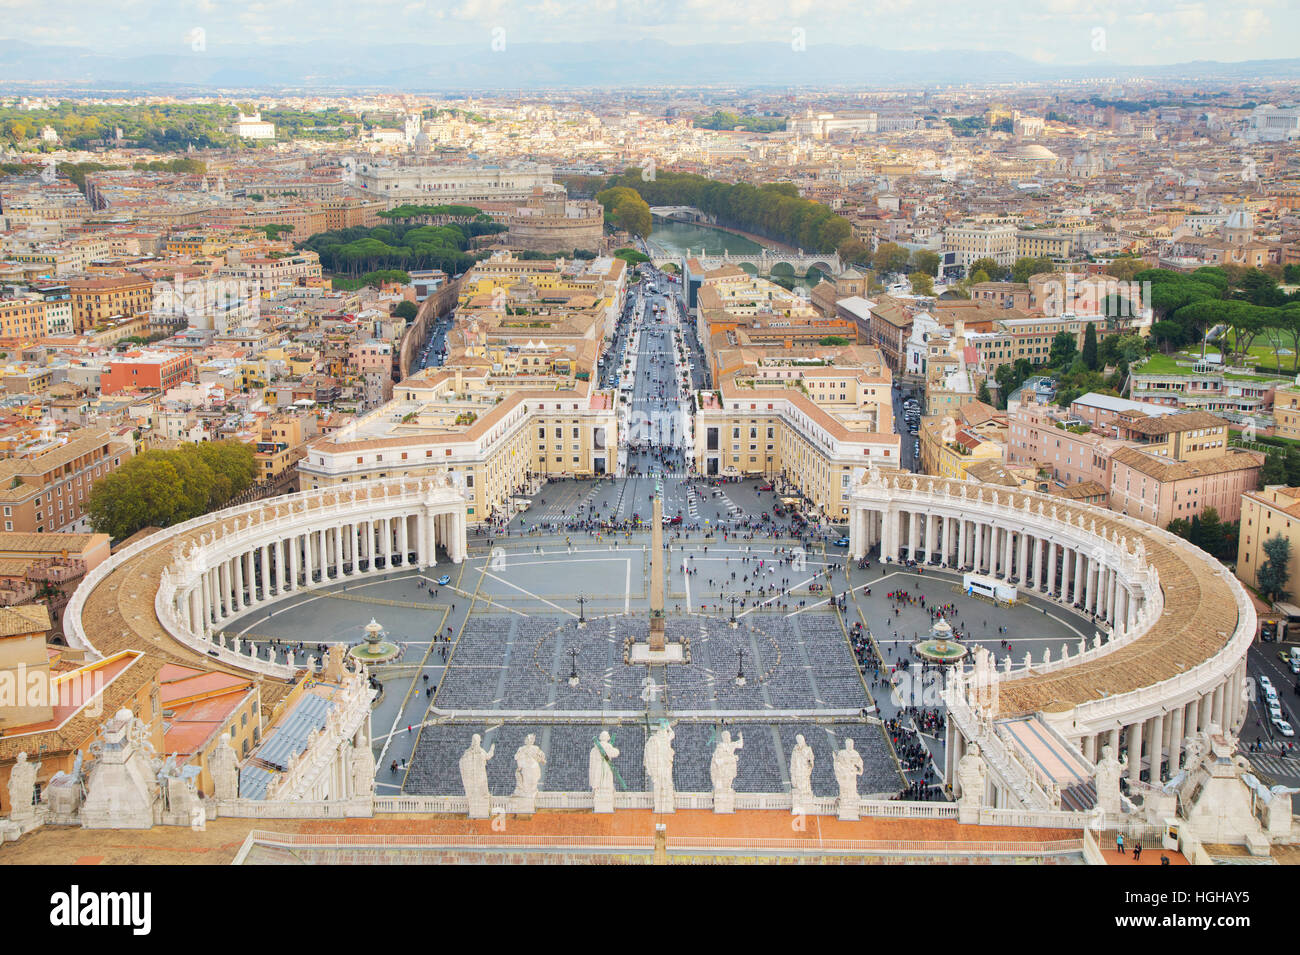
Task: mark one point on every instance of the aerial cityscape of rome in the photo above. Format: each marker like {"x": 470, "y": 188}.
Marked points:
{"x": 650, "y": 432}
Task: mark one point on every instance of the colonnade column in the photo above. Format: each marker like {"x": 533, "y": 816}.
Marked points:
{"x": 1155, "y": 747}
{"x": 1051, "y": 567}
{"x": 1176, "y": 740}
{"x": 1135, "y": 753}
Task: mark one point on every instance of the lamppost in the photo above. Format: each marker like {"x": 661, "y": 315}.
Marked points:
{"x": 582, "y": 621}
{"x": 740, "y": 672}
{"x": 733, "y": 612}
{"x": 573, "y": 667}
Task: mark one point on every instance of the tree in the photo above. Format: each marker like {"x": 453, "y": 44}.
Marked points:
{"x": 984, "y": 395}
{"x": 832, "y": 340}
{"x": 406, "y": 310}
{"x": 1273, "y": 574}
{"x": 1273, "y": 472}
{"x": 1026, "y": 266}
{"x": 161, "y": 488}
{"x": 989, "y": 267}
{"x": 889, "y": 257}
{"x": 625, "y": 210}
{"x": 1090, "y": 359}
{"x": 854, "y": 252}
{"x": 1064, "y": 348}
{"x": 1212, "y": 529}
{"x": 1125, "y": 268}
{"x": 923, "y": 260}
{"x": 922, "y": 283}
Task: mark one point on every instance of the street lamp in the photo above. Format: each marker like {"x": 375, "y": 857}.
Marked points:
{"x": 733, "y": 612}
{"x": 573, "y": 668}
{"x": 740, "y": 672}
{"x": 582, "y": 621}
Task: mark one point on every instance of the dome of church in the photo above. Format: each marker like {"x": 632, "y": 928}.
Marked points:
{"x": 1240, "y": 219}
{"x": 1032, "y": 152}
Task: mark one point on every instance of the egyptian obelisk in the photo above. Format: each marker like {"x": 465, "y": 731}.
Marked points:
{"x": 656, "y": 638}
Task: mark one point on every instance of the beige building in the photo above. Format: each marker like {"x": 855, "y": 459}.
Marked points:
{"x": 810, "y": 422}
{"x": 492, "y": 434}
{"x": 1272, "y": 512}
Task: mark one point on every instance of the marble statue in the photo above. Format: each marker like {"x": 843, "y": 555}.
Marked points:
{"x": 224, "y": 766}
{"x": 22, "y": 788}
{"x": 1109, "y": 772}
{"x": 362, "y": 766}
{"x": 473, "y": 776}
{"x": 658, "y": 762}
{"x": 600, "y": 772}
{"x": 722, "y": 771}
{"x": 971, "y": 773}
{"x": 848, "y": 767}
{"x": 801, "y": 767}
{"x": 528, "y": 770}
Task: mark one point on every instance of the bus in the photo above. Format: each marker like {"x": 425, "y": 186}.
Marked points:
{"x": 990, "y": 588}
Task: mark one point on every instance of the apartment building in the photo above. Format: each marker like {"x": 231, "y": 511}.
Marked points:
{"x": 1234, "y": 396}
{"x": 1272, "y": 512}
{"x": 22, "y": 319}
{"x": 1286, "y": 411}
{"x": 1157, "y": 490}
{"x": 45, "y": 481}
{"x": 1044, "y": 244}
{"x": 157, "y": 370}
{"x": 95, "y": 300}
{"x": 967, "y": 243}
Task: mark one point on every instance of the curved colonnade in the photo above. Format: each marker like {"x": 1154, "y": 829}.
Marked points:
{"x": 1176, "y": 624}
{"x": 171, "y": 593}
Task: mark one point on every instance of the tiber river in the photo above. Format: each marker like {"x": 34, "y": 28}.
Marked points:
{"x": 676, "y": 237}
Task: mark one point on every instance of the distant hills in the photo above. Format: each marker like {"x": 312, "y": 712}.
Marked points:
{"x": 614, "y": 64}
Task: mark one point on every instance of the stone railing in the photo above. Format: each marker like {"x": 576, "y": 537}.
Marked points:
{"x": 295, "y": 809}
{"x": 1079, "y": 522}
{"x": 165, "y": 607}
{"x": 997, "y": 754}
{"x": 245, "y": 525}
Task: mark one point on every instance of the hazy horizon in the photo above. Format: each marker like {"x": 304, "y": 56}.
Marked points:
{"x": 1062, "y": 33}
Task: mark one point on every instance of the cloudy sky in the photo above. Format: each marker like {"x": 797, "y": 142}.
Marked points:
{"x": 1062, "y": 32}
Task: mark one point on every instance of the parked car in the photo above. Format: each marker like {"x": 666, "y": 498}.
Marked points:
{"x": 842, "y": 542}
{"x": 1283, "y": 727}
{"x": 765, "y": 487}
{"x": 443, "y": 581}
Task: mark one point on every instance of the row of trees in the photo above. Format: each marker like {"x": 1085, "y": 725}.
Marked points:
{"x": 407, "y": 212}
{"x": 773, "y": 210}
{"x": 162, "y": 488}
{"x": 725, "y": 120}
{"x": 626, "y": 211}
{"x": 1248, "y": 302}
{"x": 173, "y": 126}
{"x": 1208, "y": 532}
{"x": 358, "y": 250}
